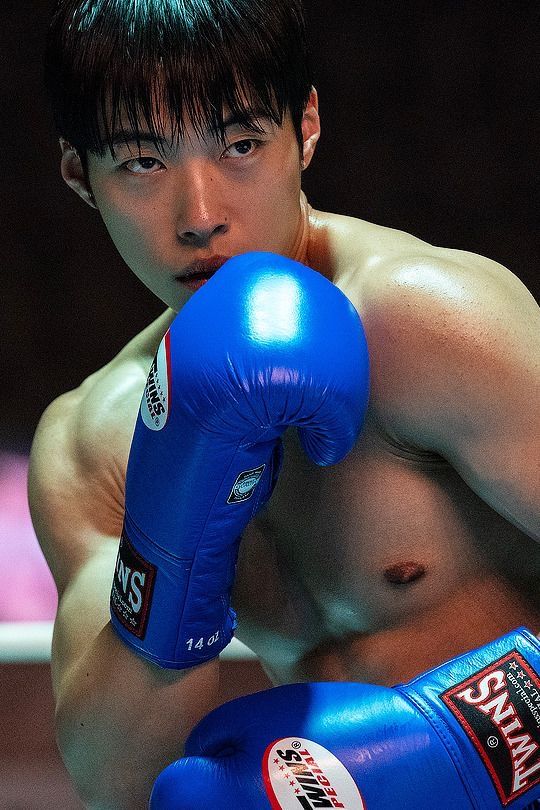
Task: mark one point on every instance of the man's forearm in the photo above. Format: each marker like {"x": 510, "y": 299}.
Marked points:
{"x": 120, "y": 720}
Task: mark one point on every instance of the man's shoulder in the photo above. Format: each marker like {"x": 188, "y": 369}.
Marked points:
{"x": 89, "y": 428}
{"x": 79, "y": 456}
{"x": 419, "y": 284}
{"x": 387, "y": 261}
{"x": 407, "y": 288}
{"x": 382, "y": 262}
{"x": 95, "y": 414}
{"x": 441, "y": 326}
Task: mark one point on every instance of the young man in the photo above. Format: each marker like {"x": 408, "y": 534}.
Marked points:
{"x": 187, "y": 125}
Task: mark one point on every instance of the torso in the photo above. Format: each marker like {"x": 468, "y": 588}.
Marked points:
{"x": 379, "y": 568}
{"x": 384, "y": 565}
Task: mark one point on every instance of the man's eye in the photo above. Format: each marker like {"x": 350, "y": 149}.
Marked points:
{"x": 242, "y": 148}
{"x": 142, "y": 165}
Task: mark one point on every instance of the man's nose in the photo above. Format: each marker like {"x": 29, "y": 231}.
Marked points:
{"x": 201, "y": 215}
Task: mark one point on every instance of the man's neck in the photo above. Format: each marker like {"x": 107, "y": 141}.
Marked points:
{"x": 300, "y": 249}
{"x": 311, "y": 245}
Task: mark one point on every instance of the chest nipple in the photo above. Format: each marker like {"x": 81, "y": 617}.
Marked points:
{"x": 404, "y": 572}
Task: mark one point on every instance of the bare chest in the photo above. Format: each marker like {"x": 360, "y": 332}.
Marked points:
{"x": 378, "y": 568}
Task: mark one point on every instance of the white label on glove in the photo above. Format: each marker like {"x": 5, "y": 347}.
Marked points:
{"x": 301, "y": 773}
{"x": 155, "y": 401}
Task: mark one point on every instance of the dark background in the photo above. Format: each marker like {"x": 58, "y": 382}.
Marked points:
{"x": 430, "y": 124}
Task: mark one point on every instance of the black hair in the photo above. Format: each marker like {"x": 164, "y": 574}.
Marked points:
{"x": 189, "y": 59}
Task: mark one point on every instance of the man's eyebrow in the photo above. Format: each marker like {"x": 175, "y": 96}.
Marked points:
{"x": 130, "y": 136}
{"x": 234, "y": 120}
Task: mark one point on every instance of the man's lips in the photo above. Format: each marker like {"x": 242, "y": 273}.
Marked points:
{"x": 199, "y": 271}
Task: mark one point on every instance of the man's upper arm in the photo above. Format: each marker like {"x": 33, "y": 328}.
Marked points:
{"x": 77, "y": 515}
{"x": 74, "y": 492}
{"x": 458, "y": 373}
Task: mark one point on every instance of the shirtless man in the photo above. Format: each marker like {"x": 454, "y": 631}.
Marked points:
{"x": 422, "y": 543}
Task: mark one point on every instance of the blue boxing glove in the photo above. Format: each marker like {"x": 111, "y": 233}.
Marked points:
{"x": 463, "y": 736}
{"x": 267, "y": 343}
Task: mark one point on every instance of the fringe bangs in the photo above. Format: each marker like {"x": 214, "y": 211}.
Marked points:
{"x": 158, "y": 65}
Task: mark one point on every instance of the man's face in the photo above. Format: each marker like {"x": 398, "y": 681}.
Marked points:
{"x": 197, "y": 200}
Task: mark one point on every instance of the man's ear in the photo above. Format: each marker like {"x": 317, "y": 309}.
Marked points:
{"x": 72, "y": 171}
{"x": 311, "y": 128}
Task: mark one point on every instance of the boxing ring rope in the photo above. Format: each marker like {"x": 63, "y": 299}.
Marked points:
{"x": 30, "y": 643}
